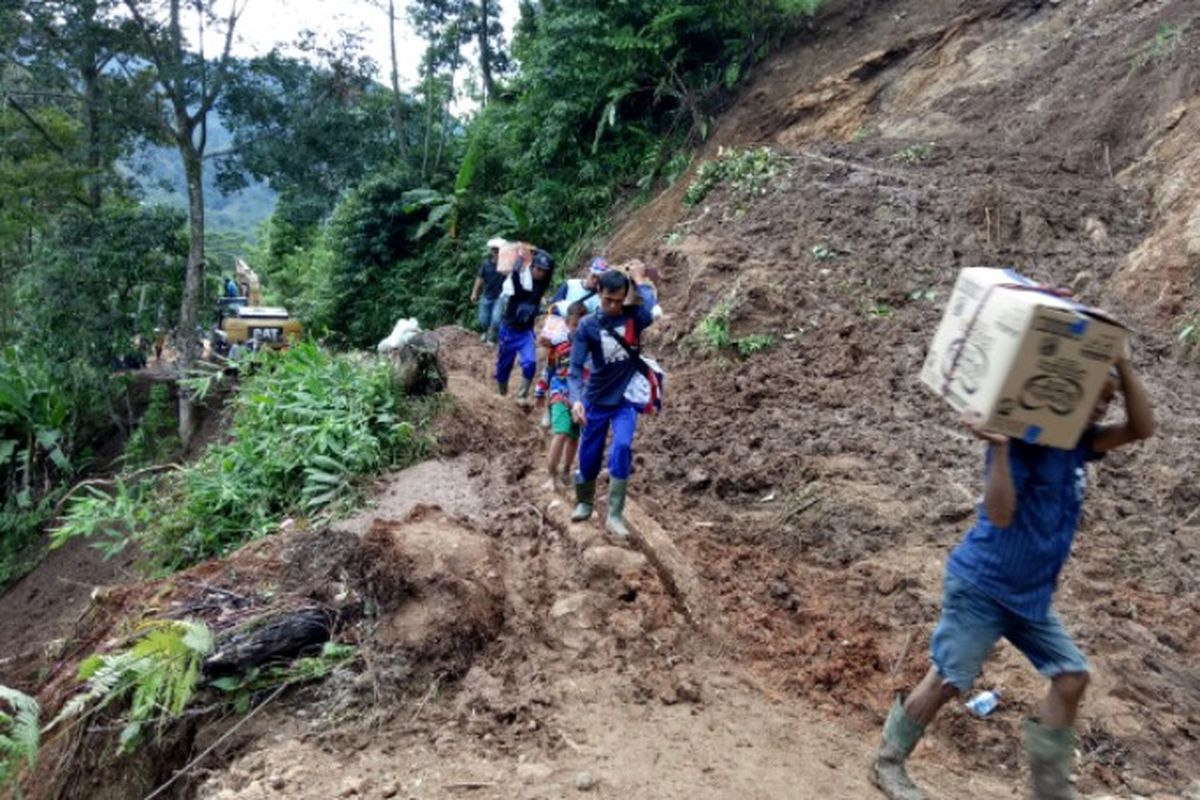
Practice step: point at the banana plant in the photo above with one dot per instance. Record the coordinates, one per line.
(34, 414)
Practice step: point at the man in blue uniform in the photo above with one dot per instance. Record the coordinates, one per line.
(611, 338)
(999, 583)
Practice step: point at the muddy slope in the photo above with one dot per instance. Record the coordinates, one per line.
(819, 485)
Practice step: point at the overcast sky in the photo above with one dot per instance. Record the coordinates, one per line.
(266, 23)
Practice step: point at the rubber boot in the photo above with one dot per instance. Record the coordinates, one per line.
(585, 500)
(900, 735)
(1050, 751)
(502, 389)
(615, 523)
(523, 393)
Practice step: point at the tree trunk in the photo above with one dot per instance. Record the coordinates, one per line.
(428, 119)
(90, 75)
(485, 53)
(189, 342)
(397, 100)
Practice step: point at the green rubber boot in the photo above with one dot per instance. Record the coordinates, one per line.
(900, 735)
(502, 389)
(523, 393)
(1050, 752)
(615, 524)
(585, 500)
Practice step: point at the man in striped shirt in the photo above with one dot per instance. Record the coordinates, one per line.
(999, 583)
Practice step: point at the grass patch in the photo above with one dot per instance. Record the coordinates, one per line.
(1160, 47)
(913, 154)
(713, 334)
(747, 172)
(755, 343)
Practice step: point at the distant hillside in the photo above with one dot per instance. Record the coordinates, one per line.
(159, 173)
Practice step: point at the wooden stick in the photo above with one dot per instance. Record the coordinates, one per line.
(187, 767)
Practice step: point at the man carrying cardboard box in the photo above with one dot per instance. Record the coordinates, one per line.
(999, 583)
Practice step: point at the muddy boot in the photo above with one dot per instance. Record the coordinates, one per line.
(502, 389)
(615, 523)
(585, 500)
(1050, 752)
(900, 735)
(523, 393)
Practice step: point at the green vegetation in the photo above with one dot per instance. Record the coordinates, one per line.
(713, 333)
(20, 735)
(1188, 332)
(913, 154)
(48, 413)
(242, 688)
(154, 438)
(755, 343)
(823, 252)
(158, 675)
(1157, 49)
(748, 173)
(308, 424)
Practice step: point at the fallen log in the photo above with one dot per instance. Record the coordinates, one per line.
(273, 639)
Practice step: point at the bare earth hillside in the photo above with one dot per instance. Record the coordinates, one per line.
(794, 507)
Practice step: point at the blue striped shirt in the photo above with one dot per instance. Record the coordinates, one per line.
(1018, 566)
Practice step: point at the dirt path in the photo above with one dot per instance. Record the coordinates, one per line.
(598, 678)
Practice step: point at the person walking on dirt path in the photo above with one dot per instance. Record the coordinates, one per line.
(486, 292)
(555, 386)
(999, 582)
(611, 338)
(160, 341)
(584, 290)
(523, 292)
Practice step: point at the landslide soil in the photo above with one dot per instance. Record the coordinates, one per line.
(795, 507)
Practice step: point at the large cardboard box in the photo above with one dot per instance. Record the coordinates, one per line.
(1029, 363)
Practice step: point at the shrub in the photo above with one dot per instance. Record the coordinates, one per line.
(307, 425)
(748, 172)
(158, 674)
(19, 734)
(1161, 47)
(154, 439)
(713, 331)
(755, 343)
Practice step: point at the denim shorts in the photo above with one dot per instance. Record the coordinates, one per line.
(972, 623)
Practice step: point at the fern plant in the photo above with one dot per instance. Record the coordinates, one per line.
(19, 734)
(158, 675)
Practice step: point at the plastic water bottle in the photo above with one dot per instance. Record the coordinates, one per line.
(984, 703)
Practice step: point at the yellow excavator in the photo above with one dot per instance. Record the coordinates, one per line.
(245, 322)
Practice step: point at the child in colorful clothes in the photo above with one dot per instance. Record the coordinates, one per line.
(564, 431)
(999, 583)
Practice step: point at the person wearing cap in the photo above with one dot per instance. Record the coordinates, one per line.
(523, 292)
(583, 290)
(486, 292)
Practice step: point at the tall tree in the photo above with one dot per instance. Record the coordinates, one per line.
(488, 30)
(185, 87)
(310, 130)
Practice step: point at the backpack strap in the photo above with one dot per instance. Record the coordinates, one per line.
(632, 350)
